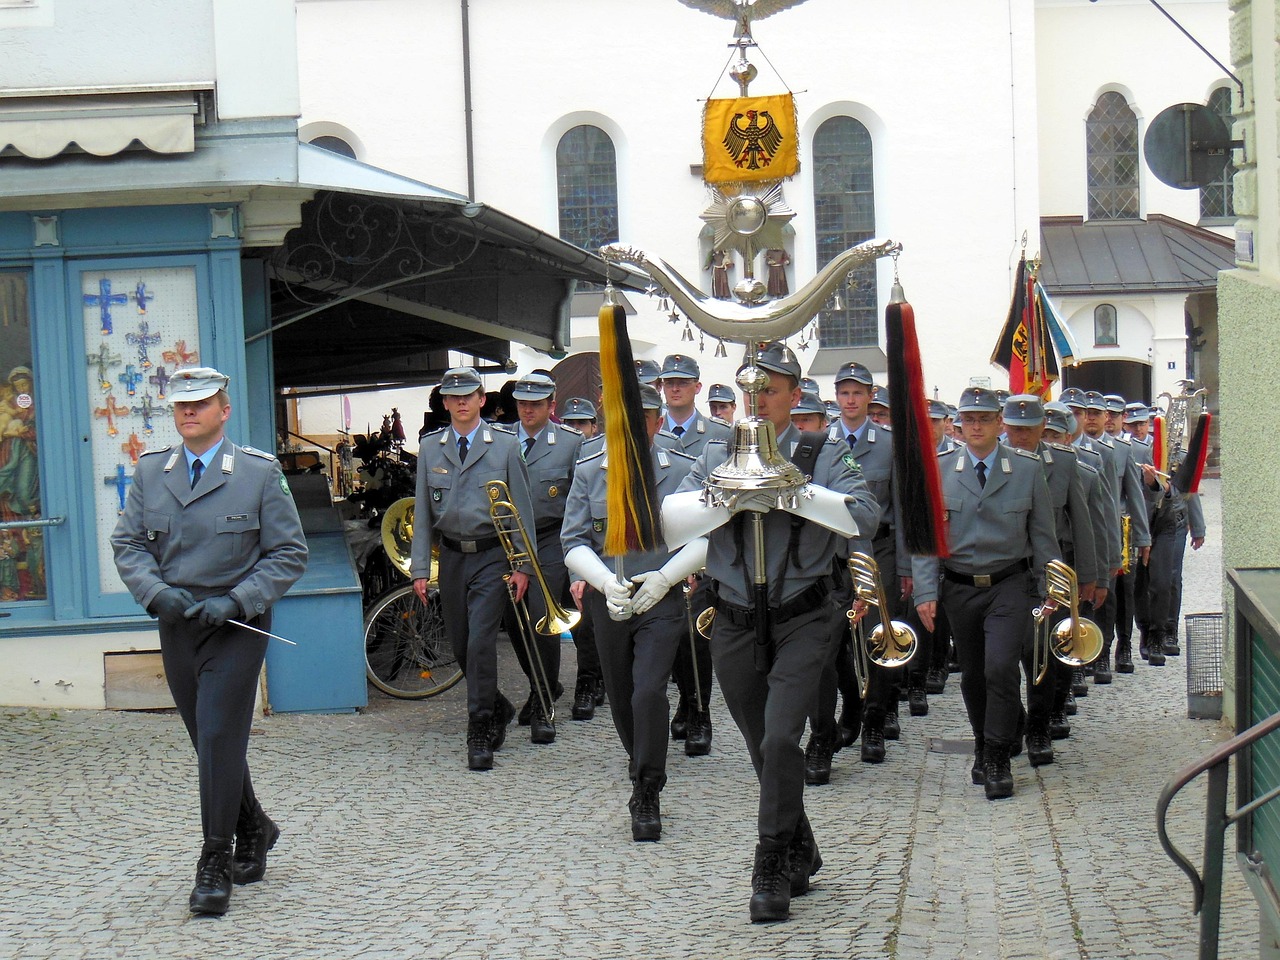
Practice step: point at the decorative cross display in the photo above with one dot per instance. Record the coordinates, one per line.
(110, 412)
(103, 359)
(142, 298)
(120, 480)
(142, 339)
(161, 379)
(104, 299)
(133, 448)
(179, 356)
(130, 378)
(146, 410)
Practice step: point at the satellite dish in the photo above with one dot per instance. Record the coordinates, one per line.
(1188, 146)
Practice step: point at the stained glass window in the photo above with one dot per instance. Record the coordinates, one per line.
(1111, 142)
(21, 548)
(587, 187)
(1215, 198)
(844, 214)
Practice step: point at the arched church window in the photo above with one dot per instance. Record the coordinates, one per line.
(844, 215)
(1111, 142)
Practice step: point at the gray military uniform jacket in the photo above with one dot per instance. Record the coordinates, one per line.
(1071, 514)
(586, 512)
(695, 438)
(734, 570)
(993, 527)
(236, 533)
(451, 498)
(1126, 482)
(550, 463)
(874, 454)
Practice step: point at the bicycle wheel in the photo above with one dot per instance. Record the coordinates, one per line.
(406, 652)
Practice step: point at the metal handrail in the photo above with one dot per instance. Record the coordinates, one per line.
(1208, 887)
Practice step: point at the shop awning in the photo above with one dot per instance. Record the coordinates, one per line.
(102, 124)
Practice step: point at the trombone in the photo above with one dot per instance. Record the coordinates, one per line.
(508, 524)
(891, 643)
(1075, 641)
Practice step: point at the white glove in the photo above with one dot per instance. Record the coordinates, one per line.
(654, 584)
(759, 501)
(583, 561)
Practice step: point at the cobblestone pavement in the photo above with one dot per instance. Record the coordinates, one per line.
(392, 849)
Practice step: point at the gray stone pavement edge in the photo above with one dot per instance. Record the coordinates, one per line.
(392, 849)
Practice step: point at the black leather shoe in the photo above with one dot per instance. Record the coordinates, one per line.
(584, 699)
(1169, 646)
(1039, 747)
(680, 721)
(1155, 652)
(646, 814)
(1102, 669)
(892, 726)
(770, 886)
(935, 681)
(1070, 708)
(1059, 728)
(803, 858)
(697, 741)
(1078, 687)
(918, 702)
(542, 728)
(978, 773)
(212, 892)
(503, 711)
(1124, 658)
(872, 743)
(254, 837)
(480, 743)
(817, 759)
(999, 778)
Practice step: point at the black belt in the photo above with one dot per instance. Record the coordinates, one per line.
(884, 530)
(546, 528)
(470, 546)
(803, 602)
(986, 580)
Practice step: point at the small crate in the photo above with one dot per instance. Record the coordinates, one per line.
(1203, 651)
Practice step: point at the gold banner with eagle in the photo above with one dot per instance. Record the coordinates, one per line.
(747, 139)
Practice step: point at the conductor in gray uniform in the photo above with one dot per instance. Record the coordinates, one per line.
(770, 688)
(454, 463)
(687, 430)
(209, 534)
(1000, 534)
(637, 634)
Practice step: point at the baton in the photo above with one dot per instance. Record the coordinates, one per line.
(273, 636)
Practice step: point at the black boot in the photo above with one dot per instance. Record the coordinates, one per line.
(1059, 728)
(255, 835)
(584, 699)
(697, 741)
(680, 721)
(770, 886)
(542, 728)
(212, 892)
(1155, 649)
(503, 711)
(1102, 668)
(817, 758)
(1144, 643)
(995, 765)
(600, 692)
(935, 680)
(918, 701)
(873, 737)
(526, 712)
(1070, 708)
(646, 814)
(479, 742)
(850, 722)
(1169, 646)
(1124, 657)
(892, 726)
(1078, 687)
(803, 858)
(1015, 748)
(1039, 747)
(978, 773)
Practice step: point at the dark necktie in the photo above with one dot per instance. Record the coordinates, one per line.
(462, 449)
(852, 438)
(197, 471)
(528, 445)
(678, 431)
(980, 469)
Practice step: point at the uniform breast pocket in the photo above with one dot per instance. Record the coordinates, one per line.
(438, 487)
(549, 484)
(951, 506)
(599, 514)
(1019, 505)
(240, 528)
(156, 525)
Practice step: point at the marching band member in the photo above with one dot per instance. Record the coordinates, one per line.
(722, 402)
(454, 463)
(637, 635)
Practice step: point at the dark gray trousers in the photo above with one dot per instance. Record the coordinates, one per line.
(473, 599)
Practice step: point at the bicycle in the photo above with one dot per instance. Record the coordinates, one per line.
(406, 652)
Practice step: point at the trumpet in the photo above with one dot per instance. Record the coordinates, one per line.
(508, 524)
(1075, 641)
(891, 643)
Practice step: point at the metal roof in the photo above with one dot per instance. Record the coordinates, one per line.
(1156, 255)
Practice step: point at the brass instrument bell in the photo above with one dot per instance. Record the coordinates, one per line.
(891, 643)
(1075, 641)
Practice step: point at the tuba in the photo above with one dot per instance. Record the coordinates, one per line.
(1075, 641)
(891, 643)
(397, 537)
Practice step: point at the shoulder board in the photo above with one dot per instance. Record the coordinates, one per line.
(1120, 438)
(595, 456)
(722, 441)
(886, 427)
(255, 452)
(680, 454)
(147, 453)
(664, 432)
(1064, 447)
(1027, 453)
(435, 432)
(720, 420)
(1104, 441)
(568, 429)
(1087, 466)
(503, 428)
(950, 450)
